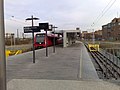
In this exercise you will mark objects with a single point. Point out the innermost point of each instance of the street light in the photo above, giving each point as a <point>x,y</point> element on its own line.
<point>93,37</point>
<point>33,18</point>
<point>12,39</point>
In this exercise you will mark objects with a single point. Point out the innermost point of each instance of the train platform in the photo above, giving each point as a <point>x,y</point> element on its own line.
<point>68,68</point>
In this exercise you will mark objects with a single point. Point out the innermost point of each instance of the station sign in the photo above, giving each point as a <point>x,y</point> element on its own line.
<point>44,26</point>
<point>31,29</point>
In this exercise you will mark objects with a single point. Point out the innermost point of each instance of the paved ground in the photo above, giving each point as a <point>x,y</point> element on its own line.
<point>62,65</point>
<point>58,66</point>
<point>88,70</point>
<point>32,84</point>
<point>68,69</point>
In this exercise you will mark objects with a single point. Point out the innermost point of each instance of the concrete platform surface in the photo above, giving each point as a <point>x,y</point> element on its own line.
<point>32,84</point>
<point>68,69</point>
<point>88,69</point>
<point>71,63</point>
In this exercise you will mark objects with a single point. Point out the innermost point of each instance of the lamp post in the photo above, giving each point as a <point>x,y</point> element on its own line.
<point>54,39</point>
<point>12,40</point>
<point>33,18</point>
<point>2,49</point>
<point>93,37</point>
<point>17,36</point>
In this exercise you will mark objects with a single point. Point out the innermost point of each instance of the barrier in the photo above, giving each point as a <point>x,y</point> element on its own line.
<point>13,52</point>
<point>7,53</point>
<point>93,47</point>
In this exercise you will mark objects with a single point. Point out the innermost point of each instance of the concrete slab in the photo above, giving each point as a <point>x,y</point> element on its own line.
<point>88,70</point>
<point>32,84</point>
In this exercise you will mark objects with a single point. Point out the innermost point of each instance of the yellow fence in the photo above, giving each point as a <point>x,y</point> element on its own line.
<point>13,52</point>
<point>93,47</point>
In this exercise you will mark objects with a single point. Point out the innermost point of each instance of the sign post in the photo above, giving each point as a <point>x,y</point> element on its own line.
<point>46,43</point>
<point>45,26</point>
<point>32,30</point>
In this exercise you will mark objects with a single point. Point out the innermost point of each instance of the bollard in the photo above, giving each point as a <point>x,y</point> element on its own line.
<point>7,53</point>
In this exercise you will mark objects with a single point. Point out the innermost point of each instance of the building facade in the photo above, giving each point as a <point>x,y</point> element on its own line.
<point>111,31</point>
<point>84,35</point>
<point>98,35</point>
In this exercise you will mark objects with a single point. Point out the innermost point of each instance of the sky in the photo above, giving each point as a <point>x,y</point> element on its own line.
<point>65,14</point>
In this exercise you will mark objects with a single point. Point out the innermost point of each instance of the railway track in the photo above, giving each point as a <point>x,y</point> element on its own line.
<point>108,68</point>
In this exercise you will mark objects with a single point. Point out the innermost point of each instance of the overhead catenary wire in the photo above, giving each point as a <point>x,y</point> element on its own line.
<point>15,19</point>
<point>103,10</point>
<point>109,5</point>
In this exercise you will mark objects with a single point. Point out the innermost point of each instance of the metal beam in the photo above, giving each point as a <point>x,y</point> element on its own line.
<point>2,49</point>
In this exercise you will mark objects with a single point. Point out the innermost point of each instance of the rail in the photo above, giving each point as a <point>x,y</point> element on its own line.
<point>108,68</point>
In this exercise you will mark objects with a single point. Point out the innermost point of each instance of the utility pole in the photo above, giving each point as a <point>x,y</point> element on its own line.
<point>93,37</point>
<point>11,40</point>
<point>14,39</point>
<point>2,49</point>
<point>23,35</point>
<point>17,36</point>
<point>33,18</point>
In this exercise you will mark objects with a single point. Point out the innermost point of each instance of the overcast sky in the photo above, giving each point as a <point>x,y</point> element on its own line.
<point>65,14</point>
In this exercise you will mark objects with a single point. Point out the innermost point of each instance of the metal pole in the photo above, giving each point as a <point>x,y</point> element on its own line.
<point>93,37</point>
<point>54,39</point>
<point>14,41</point>
<point>33,18</point>
<point>2,49</point>
<point>11,41</point>
<point>33,42</point>
<point>17,36</point>
<point>54,42</point>
<point>46,44</point>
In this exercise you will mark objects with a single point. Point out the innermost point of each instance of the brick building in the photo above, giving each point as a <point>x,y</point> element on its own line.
<point>111,31</point>
<point>89,36</point>
<point>84,34</point>
<point>98,35</point>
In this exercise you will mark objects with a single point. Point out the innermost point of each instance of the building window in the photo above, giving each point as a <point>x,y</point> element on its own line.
<point>104,26</point>
<point>119,23</point>
<point>114,24</point>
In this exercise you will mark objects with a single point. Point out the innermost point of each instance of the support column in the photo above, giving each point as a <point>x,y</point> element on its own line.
<point>2,49</point>
<point>64,39</point>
